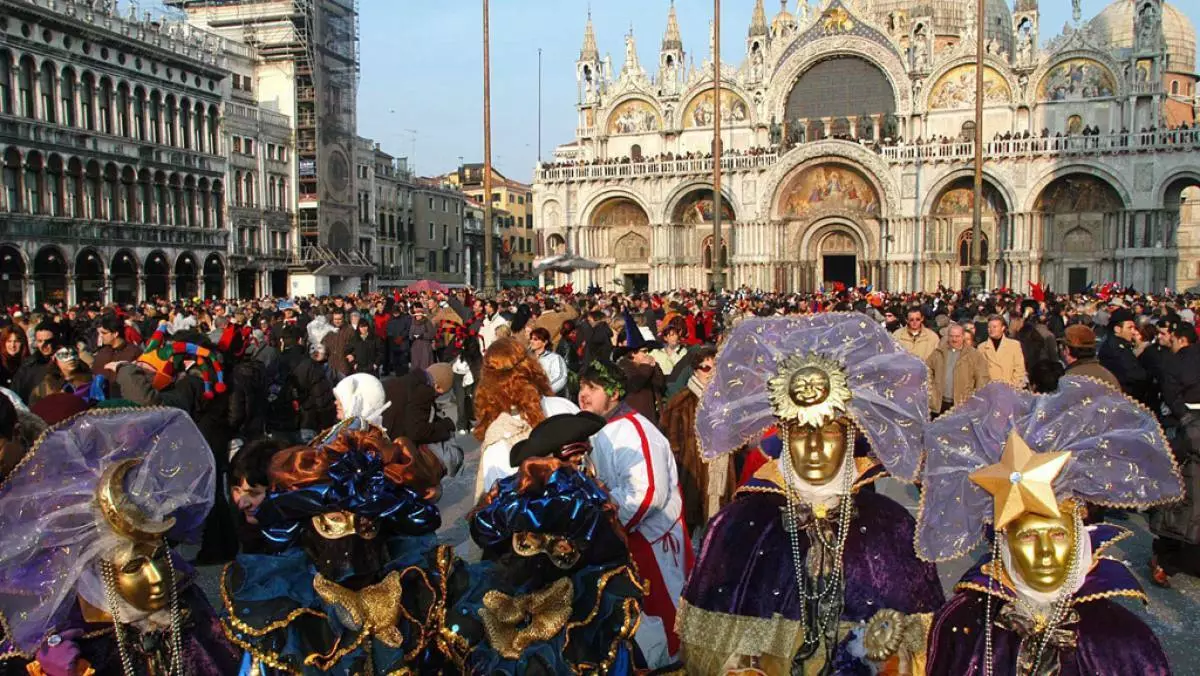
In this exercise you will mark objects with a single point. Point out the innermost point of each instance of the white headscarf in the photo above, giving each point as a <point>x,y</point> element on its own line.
<point>1075,579</point>
<point>361,396</point>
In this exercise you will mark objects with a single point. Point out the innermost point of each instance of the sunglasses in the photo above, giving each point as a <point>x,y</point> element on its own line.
<point>705,368</point>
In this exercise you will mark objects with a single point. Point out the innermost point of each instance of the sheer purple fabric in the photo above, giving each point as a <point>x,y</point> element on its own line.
<point>889,403</point>
<point>1119,456</point>
<point>51,533</point>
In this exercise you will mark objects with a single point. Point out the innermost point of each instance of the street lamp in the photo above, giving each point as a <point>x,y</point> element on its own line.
<point>489,280</point>
<point>717,282</point>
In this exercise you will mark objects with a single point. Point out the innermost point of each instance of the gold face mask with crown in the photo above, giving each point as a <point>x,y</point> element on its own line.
<point>809,395</point>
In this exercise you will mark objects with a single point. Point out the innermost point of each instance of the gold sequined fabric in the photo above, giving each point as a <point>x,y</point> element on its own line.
<point>710,638</point>
<point>374,610</point>
<point>513,623</point>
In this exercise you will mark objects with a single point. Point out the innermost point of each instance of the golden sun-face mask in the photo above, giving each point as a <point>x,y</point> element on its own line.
<point>1041,548</point>
<point>142,576</point>
<point>817,453</point>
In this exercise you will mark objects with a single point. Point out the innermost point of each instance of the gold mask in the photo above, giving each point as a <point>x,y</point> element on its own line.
<point>142,575</point>
<point>562,551</point>
<point>338,525</point>
<point>1041,548</point>
<point>817,453</point>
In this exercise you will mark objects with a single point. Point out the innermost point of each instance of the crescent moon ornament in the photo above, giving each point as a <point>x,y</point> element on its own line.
<point>122,515</point>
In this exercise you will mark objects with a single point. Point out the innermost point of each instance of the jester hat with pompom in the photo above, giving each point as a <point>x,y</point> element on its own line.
<point>168,357</point>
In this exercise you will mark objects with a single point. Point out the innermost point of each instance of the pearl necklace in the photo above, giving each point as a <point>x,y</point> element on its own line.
<point>828,595</point>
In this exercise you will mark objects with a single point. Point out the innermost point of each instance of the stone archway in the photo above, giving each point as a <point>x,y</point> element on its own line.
<point>12,276</point>
<point>1078,210</point>
<point>186,276</point>
<point>50,276</point>
<point>89,277</point>
<point>122,275</point>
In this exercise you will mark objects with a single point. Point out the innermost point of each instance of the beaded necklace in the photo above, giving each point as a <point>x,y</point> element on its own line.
<point>176,665</point>
<point>824,604</point>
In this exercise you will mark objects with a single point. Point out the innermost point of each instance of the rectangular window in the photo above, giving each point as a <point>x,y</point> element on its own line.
<point>445,205</point>
<point>445,235</point>
<point>431,232</point>
<point>249,146</point>
<point>237,145</point>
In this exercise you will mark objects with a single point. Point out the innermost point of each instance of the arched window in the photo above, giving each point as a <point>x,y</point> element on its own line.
<point>25,87</point>
<point>93,192</point>
<point>250,189</point>
<point>171,118</point>
<point>12,181</point>
<point>49,100</point>
<point>33,185</point>
<point>237,189</point>
<point>160,199</point>
<point>73,190</point>
<point>146,195</point>
<point>5,83</point>
<point>1175,88</point>
<point>87,101</point>
<point>54,176</point>
<point>155,118</point>
<point>67,95</point>
<point>104,105</point>
<point>185,124</point>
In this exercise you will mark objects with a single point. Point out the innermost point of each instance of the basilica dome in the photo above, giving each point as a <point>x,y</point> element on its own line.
<point>951,17</point>
<point>1117,20</point>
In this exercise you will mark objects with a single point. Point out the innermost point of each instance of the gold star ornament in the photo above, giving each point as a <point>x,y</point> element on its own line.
<point>1022,481</point>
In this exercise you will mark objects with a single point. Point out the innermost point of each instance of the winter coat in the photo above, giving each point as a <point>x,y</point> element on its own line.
<point>398,328</point>
<point>367,353</point>
<point>1116,355</point>
<point>311,391</point>
<point>422,336</point>
<point>922,346</point>
<point>106,354</point>
<point>247,382</point>
<point>411,413</point>
<point>336,345</point>
<point>29,375</point>
<point>970,375</point>
<point>644,387</point>
<point>1007,364</point>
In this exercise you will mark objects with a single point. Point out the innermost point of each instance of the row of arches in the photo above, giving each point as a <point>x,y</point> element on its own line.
<point>73,187</point>
<point>245,191</point>
<point>83,100</point>
<point>123,279</point>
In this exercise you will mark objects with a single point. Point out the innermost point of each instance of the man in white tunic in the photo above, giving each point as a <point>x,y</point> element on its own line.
<point>634,461</point>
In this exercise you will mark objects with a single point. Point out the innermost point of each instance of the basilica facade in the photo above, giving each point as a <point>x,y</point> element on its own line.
<point>847,134</point>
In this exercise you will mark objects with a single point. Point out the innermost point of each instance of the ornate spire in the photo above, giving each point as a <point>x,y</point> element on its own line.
<point>589,52</point>
<point>632,66</point>
<point>672,40</point>
<point>758,21</point>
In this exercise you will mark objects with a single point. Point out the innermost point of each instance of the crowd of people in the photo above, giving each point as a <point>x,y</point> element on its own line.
<point>665,481</point>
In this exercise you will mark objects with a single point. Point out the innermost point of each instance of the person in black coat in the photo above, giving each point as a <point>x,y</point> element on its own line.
<point>411,414</point>
<point>32,371</point>
<point>311,387</point>
<point>599,340</point>
<point>365,351</point>
<point>247,394</point>
<point>1119,355</point>
<point>398,329</point>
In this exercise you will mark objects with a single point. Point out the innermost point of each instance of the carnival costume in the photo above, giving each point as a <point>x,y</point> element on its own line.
<point>1022,468</point>
<point>556,593</point>
<point>89,583</point>
<point>358,585</point>
<point>803,568</point>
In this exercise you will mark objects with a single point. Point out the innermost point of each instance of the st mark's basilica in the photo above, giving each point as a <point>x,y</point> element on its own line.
<point>847,130</point>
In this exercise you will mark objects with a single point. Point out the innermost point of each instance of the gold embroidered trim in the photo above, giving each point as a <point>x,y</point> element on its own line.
<point>725,634</point>
<point>771,472</point>
<point>271,660</point>
<point>258,632</point>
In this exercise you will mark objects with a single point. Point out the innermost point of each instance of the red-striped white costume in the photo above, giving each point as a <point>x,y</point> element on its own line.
<point>634,461</point>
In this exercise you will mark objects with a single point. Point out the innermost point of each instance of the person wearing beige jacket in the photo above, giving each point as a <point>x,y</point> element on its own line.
<point>914,337</point>
<point>1005,360</point>
<point>956,371</point>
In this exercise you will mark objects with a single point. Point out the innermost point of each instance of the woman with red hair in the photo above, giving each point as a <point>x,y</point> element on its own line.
<point>512,397</point>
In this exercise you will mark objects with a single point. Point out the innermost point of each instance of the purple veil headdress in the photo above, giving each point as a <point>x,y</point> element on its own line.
<point>1118,457</point>
<point>52,533</point>
<point>889,400</point>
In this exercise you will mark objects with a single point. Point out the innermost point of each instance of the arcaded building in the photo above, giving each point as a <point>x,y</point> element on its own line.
<point>848,133</point>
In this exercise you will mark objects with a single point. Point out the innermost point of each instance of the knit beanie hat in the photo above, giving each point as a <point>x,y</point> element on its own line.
<point>167,359</point>
<point>442,375</point>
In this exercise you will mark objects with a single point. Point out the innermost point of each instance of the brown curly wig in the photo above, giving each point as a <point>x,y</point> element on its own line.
<point>403,464</point>
<point>510,379</point>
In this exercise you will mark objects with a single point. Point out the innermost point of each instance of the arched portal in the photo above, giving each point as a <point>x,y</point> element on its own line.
<point>1181,203</point>
<point>556,245</point>
<point>158,276</point>
<point>187,280</point>
<point>12,276</point>
<point>214,277</point>
<point>122,278</point>
<point>49,276</point>
<point>1078,210</point>
<point>953,214</point>
<point>837,259</point>
<point>89,277</point>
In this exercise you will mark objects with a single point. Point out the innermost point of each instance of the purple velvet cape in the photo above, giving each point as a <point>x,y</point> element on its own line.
<point>1110,638</point>
<point>207,650</point>
<point>746,568</point>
